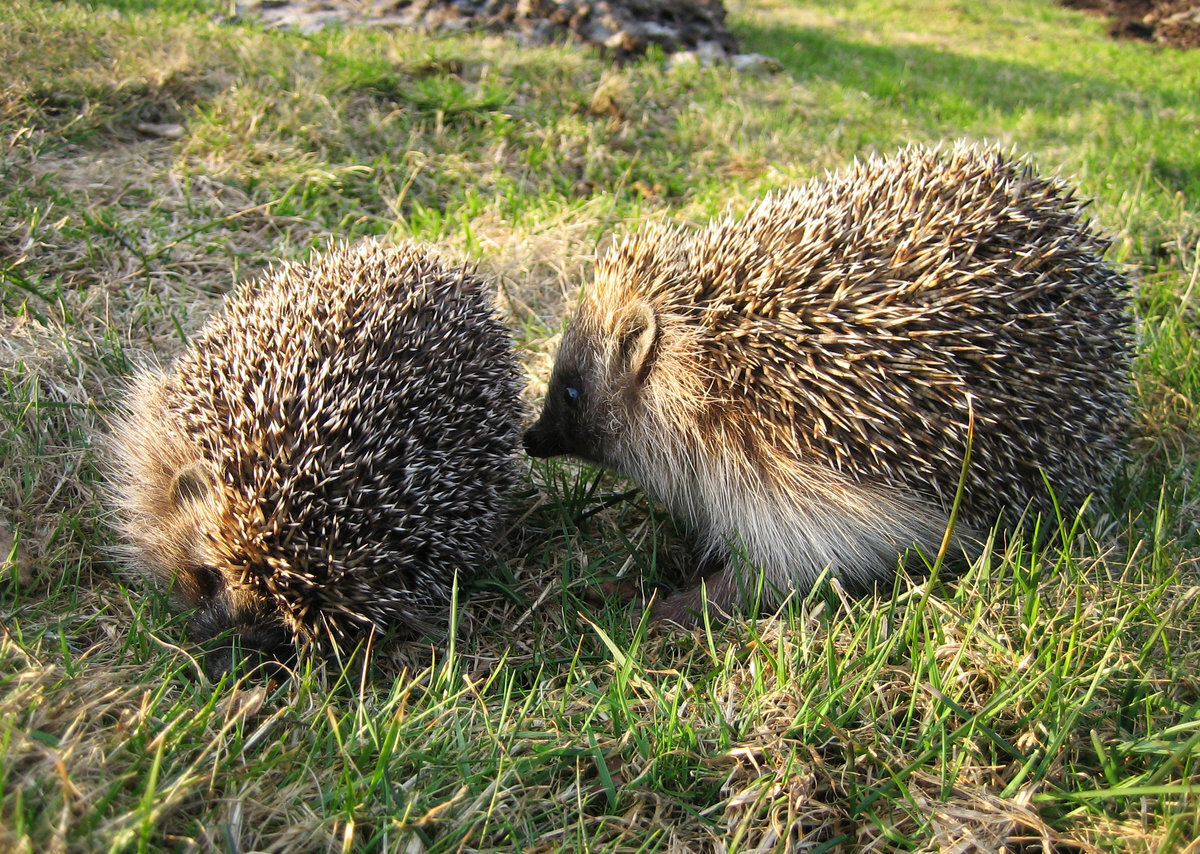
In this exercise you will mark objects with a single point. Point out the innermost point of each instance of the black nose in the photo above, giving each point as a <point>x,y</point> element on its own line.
<point>267,652</point>
<point>542,440</point>
<point>535,441</point>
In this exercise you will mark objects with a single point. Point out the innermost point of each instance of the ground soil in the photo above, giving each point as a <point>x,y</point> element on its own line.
<point>626,28</point>
<point>1170,22</point>
<point>620,28</point>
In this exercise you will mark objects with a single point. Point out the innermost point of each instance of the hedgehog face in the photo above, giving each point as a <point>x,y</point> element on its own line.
<point>566,422</point>
<point>233,624</point>
<point>231,621</point>
<point>233,628</point>
<point>598,375</point>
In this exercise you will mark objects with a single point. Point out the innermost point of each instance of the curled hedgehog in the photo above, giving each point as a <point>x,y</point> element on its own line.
<point>798,385</point>
<point>333,448</point>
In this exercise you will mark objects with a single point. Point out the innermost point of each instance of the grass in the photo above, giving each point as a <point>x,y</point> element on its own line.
<point>1046,700</point>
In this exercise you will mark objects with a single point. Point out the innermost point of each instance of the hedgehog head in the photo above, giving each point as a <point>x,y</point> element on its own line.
<point>178,519</point>
<point>624,356</point>
<point>229,616</point>
<point>597,364</point>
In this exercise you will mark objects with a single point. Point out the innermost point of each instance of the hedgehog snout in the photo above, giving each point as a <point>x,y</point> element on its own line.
<point>560,431</point>
<point>230,640</point>
<point>267,651</point>
<point>541,440</point>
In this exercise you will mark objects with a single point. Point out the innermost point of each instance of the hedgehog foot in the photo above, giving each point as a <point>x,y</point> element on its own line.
<point>686,608</point>
<point>603,594</point>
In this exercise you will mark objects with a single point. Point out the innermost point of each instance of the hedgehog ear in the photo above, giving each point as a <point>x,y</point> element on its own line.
<point>190,484</point>
<point>636,338</point>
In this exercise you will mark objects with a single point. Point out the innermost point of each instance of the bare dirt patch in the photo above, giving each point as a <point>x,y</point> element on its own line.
<point>623,28</point>
<point>1170,22</point>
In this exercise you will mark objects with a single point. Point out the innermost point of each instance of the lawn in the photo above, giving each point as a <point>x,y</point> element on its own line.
<point>155,155</point>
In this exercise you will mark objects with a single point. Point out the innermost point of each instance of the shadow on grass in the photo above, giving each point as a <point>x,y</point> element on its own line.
<point>921,75</point>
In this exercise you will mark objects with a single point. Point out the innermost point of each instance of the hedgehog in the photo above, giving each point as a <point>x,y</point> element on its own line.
<point>333,449</point>
<point>799,387</point>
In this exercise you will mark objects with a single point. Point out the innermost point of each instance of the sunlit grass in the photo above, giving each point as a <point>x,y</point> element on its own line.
<point>1047,698</point>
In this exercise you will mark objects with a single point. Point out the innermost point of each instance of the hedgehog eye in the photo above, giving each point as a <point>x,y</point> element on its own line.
<point>208,582</point>
<point>571,393</point>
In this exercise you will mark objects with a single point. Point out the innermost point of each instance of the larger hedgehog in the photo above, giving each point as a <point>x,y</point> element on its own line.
<point>798,385</point>
<point>334,446</point>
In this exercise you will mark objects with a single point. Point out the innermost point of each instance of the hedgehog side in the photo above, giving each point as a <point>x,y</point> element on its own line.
<point>349,424</point>
<point>798,384</point>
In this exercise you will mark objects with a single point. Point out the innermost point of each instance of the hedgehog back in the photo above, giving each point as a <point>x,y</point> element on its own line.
<point>856,321</point>
<point>359,414</point>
